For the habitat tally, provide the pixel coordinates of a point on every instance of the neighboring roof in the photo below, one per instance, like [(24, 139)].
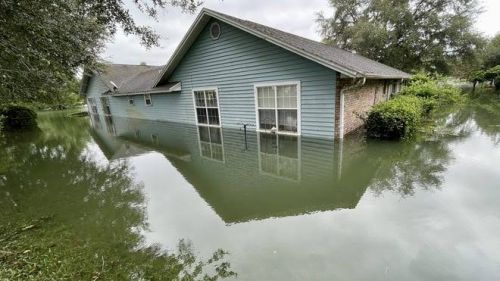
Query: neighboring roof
[(128, 79), (347, 63)]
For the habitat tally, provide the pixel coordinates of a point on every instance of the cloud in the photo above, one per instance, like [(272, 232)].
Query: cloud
[(294, 16)]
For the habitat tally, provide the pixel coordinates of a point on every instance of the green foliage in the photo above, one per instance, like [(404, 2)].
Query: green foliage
[(398, 118), (402, 116), (433, 92), (492, 75), (43, 44), (17, 117), (491, 56), (405, 34)]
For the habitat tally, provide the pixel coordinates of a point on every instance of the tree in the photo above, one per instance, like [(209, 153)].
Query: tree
[(407, 34), (491, 55), (44, 43)]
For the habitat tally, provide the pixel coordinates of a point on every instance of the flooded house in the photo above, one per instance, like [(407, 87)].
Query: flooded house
[(228, 72)]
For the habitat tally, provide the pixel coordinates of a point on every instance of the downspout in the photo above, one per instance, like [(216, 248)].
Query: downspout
[(358, 83)]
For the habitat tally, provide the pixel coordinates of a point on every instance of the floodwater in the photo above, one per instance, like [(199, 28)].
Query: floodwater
[(284, 208)]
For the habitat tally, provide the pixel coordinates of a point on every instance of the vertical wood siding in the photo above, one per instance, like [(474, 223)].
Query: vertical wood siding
[(234, 63)]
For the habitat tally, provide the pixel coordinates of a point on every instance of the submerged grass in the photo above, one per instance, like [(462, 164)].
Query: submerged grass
[(43, 249)]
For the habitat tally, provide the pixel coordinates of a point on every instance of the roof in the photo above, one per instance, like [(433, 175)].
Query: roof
[(348, 63), (128, 79)]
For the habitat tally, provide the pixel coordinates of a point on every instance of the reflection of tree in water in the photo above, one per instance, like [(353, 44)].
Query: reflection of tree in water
[(402, 167), (84, 219), (485, 106)]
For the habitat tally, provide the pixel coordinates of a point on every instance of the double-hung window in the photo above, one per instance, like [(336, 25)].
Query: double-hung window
[(148, 100), (131, 100), (278, 107), (207, 107)]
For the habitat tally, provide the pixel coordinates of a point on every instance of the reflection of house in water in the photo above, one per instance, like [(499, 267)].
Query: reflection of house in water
[(269, 176)]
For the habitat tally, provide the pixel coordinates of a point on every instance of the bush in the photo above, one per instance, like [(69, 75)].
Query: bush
[(18, 117), (434, 92), (398, 118)]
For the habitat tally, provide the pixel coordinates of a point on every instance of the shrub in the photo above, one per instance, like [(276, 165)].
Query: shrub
[(434, 92), (398, 118), (18, 117)]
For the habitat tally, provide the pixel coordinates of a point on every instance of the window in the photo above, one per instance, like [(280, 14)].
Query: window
[(131, 100), (147, 100), (92, 105), (105, 105), (207, 107), (215, 31), (279, 155), (210, 141), (278, 107)]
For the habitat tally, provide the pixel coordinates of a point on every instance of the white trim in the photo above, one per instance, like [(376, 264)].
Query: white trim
[(200, 89), (299, 105), (342, 111), (131, 98), (150, 99)]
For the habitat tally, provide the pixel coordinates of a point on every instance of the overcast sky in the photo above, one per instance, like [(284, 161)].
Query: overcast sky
[(294, 16)]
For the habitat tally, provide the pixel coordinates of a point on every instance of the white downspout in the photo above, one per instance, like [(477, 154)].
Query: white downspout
[(342, 98)]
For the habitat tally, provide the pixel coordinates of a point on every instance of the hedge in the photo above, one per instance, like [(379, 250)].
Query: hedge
[(18, 117), (397, 118)]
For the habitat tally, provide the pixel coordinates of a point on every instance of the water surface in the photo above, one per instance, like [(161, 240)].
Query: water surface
[(285, 208)]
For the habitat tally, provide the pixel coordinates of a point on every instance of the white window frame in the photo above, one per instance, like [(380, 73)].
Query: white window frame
[(150, 98), (131, 101), (206, 107), (299, 105)]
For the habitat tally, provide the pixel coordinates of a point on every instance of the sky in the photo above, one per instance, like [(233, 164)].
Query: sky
[(294, 16)]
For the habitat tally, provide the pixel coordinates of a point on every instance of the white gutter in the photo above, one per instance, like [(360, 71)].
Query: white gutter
[(342, 97)]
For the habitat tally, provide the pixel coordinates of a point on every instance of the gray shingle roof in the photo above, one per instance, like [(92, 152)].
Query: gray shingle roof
[(345, 62), (363, 65), (131, 78)]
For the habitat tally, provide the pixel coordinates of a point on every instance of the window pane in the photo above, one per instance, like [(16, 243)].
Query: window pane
[(199, 97), (265, 97), (204, 134), (211, 98), (267, 119), (268, 143), (217, 152), (269, 163), (287, 120), (201, 114), (288, 146), (205, 149), (287, 96), (213, 116), (215, 135)]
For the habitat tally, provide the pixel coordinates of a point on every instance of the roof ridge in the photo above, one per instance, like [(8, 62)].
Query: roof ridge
[(304, 38)]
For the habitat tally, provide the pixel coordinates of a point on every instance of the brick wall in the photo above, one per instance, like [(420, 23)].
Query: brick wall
[(358, 101)]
